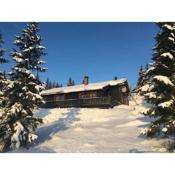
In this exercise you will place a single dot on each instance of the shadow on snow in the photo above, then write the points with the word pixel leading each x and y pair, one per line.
pixel 46 132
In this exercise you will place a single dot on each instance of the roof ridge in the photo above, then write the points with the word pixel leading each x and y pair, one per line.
pixel 82 87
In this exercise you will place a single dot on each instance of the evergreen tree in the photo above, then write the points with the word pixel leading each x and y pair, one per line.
pixel 161 82
pixel 73 82
pixel 57 85
pixel 143 80
pixel 37 77
pixel 2 51
pixel 140 78
pixel 50 84
pixel 115 78
pixel 53 84
pixel 47 83
pixel 147 66
pixel 18 123
pixel 3 79
pixel 70 82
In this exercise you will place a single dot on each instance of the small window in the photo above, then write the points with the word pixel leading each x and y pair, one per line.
pixel 59 97
pixel 48 98
pixel 87 95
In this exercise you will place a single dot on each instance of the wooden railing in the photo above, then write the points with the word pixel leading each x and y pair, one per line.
pixel 87 102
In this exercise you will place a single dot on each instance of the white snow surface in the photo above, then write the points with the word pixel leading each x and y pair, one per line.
pixel 166 104
pixel 16 137
pixel 150 69
pixel 15 109
pixel 82 87
pixel 168 55
pixel 169 27
pixel 32 137
pixel 164 129
pixel 164 79
pixel 171 39
pixel 151 95
pixel 93 130
pixel 18 60
pixel 40 47
pixel 145 88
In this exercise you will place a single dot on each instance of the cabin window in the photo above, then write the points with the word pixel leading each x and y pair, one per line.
pixel 93 94
pixel 87 95
pixel 59 97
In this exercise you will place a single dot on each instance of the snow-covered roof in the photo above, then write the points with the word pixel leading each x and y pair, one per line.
pixel 82 87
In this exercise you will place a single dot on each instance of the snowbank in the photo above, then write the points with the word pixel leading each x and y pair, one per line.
pixel 95 130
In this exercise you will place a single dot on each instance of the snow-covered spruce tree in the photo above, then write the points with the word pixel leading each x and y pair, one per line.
pixel 143 81
pixel 160 86
pixel 140 77
pixel 3 80
pixel 19 122
pixel 3 84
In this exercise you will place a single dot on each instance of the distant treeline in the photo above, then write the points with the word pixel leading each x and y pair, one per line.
pixel 53 84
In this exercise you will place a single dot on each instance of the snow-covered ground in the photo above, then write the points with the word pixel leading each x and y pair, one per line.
pixel 93 130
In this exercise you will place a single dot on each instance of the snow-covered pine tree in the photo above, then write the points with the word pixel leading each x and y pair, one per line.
pixel 160 86
pixel 140 77
pixel 145 81
pixel 3 80
pixel 2 51
pixel 147 66
pixel 18 122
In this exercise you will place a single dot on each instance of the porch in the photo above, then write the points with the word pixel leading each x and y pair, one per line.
pixel 105 102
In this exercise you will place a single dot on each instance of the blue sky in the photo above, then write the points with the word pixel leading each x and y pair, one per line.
pixel 99 50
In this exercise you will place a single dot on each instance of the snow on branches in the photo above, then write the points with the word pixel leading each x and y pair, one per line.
pixel 163 79
pixel 24 92
pixel 166 104
pixel 167 55
pixel 159 88
pixel 168 27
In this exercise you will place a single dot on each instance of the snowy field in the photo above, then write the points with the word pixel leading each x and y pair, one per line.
pixel 93 130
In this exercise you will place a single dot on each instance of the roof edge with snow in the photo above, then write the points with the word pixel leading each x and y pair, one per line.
pixel 82 87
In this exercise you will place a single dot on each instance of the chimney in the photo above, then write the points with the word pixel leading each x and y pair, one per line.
pixel 86 80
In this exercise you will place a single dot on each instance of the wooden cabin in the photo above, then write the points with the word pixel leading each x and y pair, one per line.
pixel 104 95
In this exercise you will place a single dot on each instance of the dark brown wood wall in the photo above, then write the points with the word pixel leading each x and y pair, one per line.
pixel 115 92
